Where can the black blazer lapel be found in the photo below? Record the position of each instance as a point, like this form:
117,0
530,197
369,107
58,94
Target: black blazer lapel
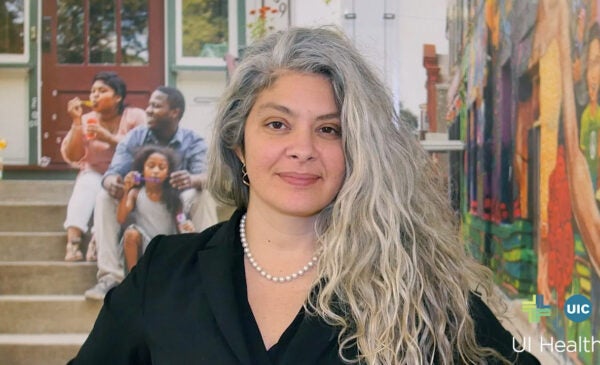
216,271
315,342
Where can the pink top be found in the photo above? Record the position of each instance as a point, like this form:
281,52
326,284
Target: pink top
98,154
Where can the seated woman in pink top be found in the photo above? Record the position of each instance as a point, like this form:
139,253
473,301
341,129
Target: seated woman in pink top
90,145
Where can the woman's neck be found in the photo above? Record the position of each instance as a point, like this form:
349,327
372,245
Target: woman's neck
281,232
279,247
109,117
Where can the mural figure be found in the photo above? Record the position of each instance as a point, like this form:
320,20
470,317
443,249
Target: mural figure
546,53
590,119
581,148
581,188
560,244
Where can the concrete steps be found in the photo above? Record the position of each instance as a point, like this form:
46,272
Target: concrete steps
46,277
31,217
53,349
32,246
44,317
48,314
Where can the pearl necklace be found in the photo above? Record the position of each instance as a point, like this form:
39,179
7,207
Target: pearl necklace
262,272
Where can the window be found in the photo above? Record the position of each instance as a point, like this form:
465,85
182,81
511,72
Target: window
206,31
13,31
108,39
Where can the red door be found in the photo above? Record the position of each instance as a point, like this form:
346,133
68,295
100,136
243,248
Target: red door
81,38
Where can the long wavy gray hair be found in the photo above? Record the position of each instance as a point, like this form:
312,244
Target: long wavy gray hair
393,274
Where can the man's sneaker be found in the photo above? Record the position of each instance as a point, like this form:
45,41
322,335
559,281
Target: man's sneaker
98,292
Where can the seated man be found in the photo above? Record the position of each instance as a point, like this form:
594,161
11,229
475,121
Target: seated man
164,111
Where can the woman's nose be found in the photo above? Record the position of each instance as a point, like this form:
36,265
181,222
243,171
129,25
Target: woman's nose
302,145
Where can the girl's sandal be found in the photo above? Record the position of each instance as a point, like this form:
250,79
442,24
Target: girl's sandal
90,254
73,252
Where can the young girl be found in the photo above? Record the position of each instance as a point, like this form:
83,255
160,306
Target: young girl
150,203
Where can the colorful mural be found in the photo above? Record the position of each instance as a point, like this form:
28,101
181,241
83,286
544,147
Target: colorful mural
531,123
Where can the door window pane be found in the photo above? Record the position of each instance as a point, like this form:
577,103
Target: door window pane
205,32
12,30
103,39
69,31
134,32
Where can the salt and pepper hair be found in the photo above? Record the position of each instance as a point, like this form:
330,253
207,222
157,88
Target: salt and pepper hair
392,274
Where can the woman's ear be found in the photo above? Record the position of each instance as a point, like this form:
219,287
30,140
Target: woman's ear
240,154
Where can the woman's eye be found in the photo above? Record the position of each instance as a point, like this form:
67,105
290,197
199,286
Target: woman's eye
276,124
330,130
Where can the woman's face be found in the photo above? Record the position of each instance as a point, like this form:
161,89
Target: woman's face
156,168
103,97
593,72
293,146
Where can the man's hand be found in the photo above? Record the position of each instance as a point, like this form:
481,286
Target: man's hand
181,180
114,186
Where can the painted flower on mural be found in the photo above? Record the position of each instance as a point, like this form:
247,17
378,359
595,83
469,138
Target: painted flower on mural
260,26
3,144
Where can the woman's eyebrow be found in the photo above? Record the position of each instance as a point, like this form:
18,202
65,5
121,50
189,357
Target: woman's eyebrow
328,116
288,111
278,107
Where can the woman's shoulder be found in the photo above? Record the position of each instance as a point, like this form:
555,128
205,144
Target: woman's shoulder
134,110
180,246
134,116
169,259
173,253
490,332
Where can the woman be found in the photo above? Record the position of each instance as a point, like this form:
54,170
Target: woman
341,251
90,145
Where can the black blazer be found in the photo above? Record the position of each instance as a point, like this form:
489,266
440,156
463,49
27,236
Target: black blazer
179,306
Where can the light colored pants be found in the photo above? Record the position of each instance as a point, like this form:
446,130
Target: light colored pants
200,206
81,204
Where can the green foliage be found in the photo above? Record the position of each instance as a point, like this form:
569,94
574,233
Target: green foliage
102,32
204,22
134,32
11,18
261,25
102,26
69,32
409,118
258,28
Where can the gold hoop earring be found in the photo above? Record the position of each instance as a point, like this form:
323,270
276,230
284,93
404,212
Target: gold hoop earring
245,178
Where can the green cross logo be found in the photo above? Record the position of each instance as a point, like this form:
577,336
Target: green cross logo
536,309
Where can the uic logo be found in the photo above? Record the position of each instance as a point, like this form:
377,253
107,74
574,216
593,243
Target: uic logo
578,308
535,308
